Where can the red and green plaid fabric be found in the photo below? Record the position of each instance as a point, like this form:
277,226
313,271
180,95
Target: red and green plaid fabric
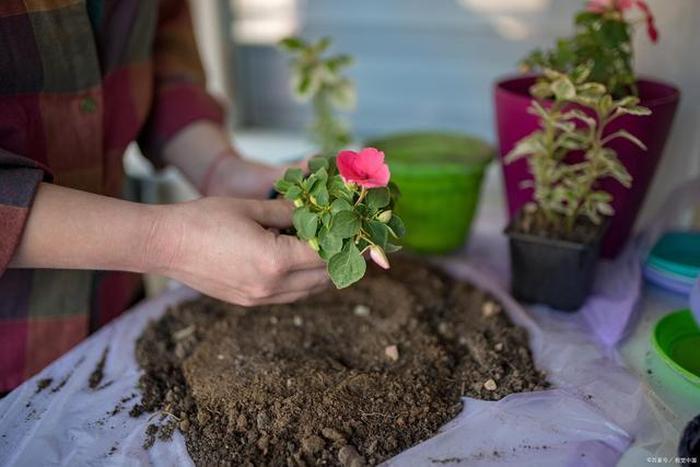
79,81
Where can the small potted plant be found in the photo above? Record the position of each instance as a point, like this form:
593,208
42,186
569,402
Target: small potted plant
603,40
555,239
317,78
343,209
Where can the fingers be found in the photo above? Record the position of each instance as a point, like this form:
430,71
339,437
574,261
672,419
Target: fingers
276,213
295,254
303,280
290,297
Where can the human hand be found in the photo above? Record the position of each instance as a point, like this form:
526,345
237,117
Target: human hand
224,248
240,178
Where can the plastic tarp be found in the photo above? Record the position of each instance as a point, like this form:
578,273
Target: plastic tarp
593,414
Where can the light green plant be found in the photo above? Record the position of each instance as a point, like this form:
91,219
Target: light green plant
574,115
319,79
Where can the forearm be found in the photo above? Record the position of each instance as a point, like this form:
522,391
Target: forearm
194,149
202,151
70,229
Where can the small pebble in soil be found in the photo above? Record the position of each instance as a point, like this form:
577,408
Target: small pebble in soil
273,320
312,444
392,353
489,309
498,347
361,310
349,457
298,322
490,385
332,434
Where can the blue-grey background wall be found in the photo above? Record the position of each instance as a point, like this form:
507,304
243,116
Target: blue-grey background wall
419,63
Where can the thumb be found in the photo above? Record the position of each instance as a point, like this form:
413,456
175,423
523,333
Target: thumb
275,213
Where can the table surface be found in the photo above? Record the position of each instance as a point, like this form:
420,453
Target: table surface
674,401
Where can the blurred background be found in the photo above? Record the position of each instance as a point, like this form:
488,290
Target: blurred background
418,65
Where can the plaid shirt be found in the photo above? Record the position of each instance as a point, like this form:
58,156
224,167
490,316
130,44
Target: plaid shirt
79,81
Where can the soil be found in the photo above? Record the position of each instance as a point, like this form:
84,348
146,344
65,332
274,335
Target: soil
98,373
348,377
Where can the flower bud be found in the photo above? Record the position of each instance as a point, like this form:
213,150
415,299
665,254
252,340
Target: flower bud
313,243
385,216
378,256
313,199
298,203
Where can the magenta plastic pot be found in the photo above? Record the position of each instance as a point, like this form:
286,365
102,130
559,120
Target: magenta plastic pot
513,122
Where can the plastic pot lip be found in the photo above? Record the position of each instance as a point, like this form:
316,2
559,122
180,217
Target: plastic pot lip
503,85
683,314
510,231
477,161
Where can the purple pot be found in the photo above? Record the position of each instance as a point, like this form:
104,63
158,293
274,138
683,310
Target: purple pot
512,98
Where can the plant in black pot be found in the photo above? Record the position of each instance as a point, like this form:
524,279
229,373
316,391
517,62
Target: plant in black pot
555,240
602,39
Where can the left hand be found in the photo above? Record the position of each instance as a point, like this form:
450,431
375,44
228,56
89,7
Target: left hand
240,178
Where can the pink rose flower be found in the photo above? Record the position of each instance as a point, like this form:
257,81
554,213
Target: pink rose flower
365,168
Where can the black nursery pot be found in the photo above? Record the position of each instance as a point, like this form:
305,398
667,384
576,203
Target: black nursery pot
558,273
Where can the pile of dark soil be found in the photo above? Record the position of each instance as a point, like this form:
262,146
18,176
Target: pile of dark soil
344,378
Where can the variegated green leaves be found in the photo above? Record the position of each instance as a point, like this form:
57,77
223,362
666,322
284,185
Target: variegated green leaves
575,119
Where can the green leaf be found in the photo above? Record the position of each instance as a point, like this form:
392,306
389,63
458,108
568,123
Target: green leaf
317,163
292,44
320,194
396,226
626,135
592,89
394,191
391,248
305,222
293,192
337,188
322,45
282,186
345,224
563,89
378,233
636,110
378,198
294,175
340,204
347,267
329,243
339,61
541,90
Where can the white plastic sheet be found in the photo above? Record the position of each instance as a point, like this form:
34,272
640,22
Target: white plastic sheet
591,417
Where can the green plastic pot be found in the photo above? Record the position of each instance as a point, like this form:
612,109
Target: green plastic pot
676,339
439,175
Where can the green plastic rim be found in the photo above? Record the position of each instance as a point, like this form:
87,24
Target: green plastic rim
437,151
676,339
439,175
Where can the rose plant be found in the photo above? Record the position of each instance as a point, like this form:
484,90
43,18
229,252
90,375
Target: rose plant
343,209
602,38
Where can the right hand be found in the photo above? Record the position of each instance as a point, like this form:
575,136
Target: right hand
224,248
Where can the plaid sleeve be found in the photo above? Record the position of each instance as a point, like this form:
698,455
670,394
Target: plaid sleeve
19,179
180,95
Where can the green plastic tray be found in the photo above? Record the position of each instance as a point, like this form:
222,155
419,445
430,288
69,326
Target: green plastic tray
439,175
676,339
